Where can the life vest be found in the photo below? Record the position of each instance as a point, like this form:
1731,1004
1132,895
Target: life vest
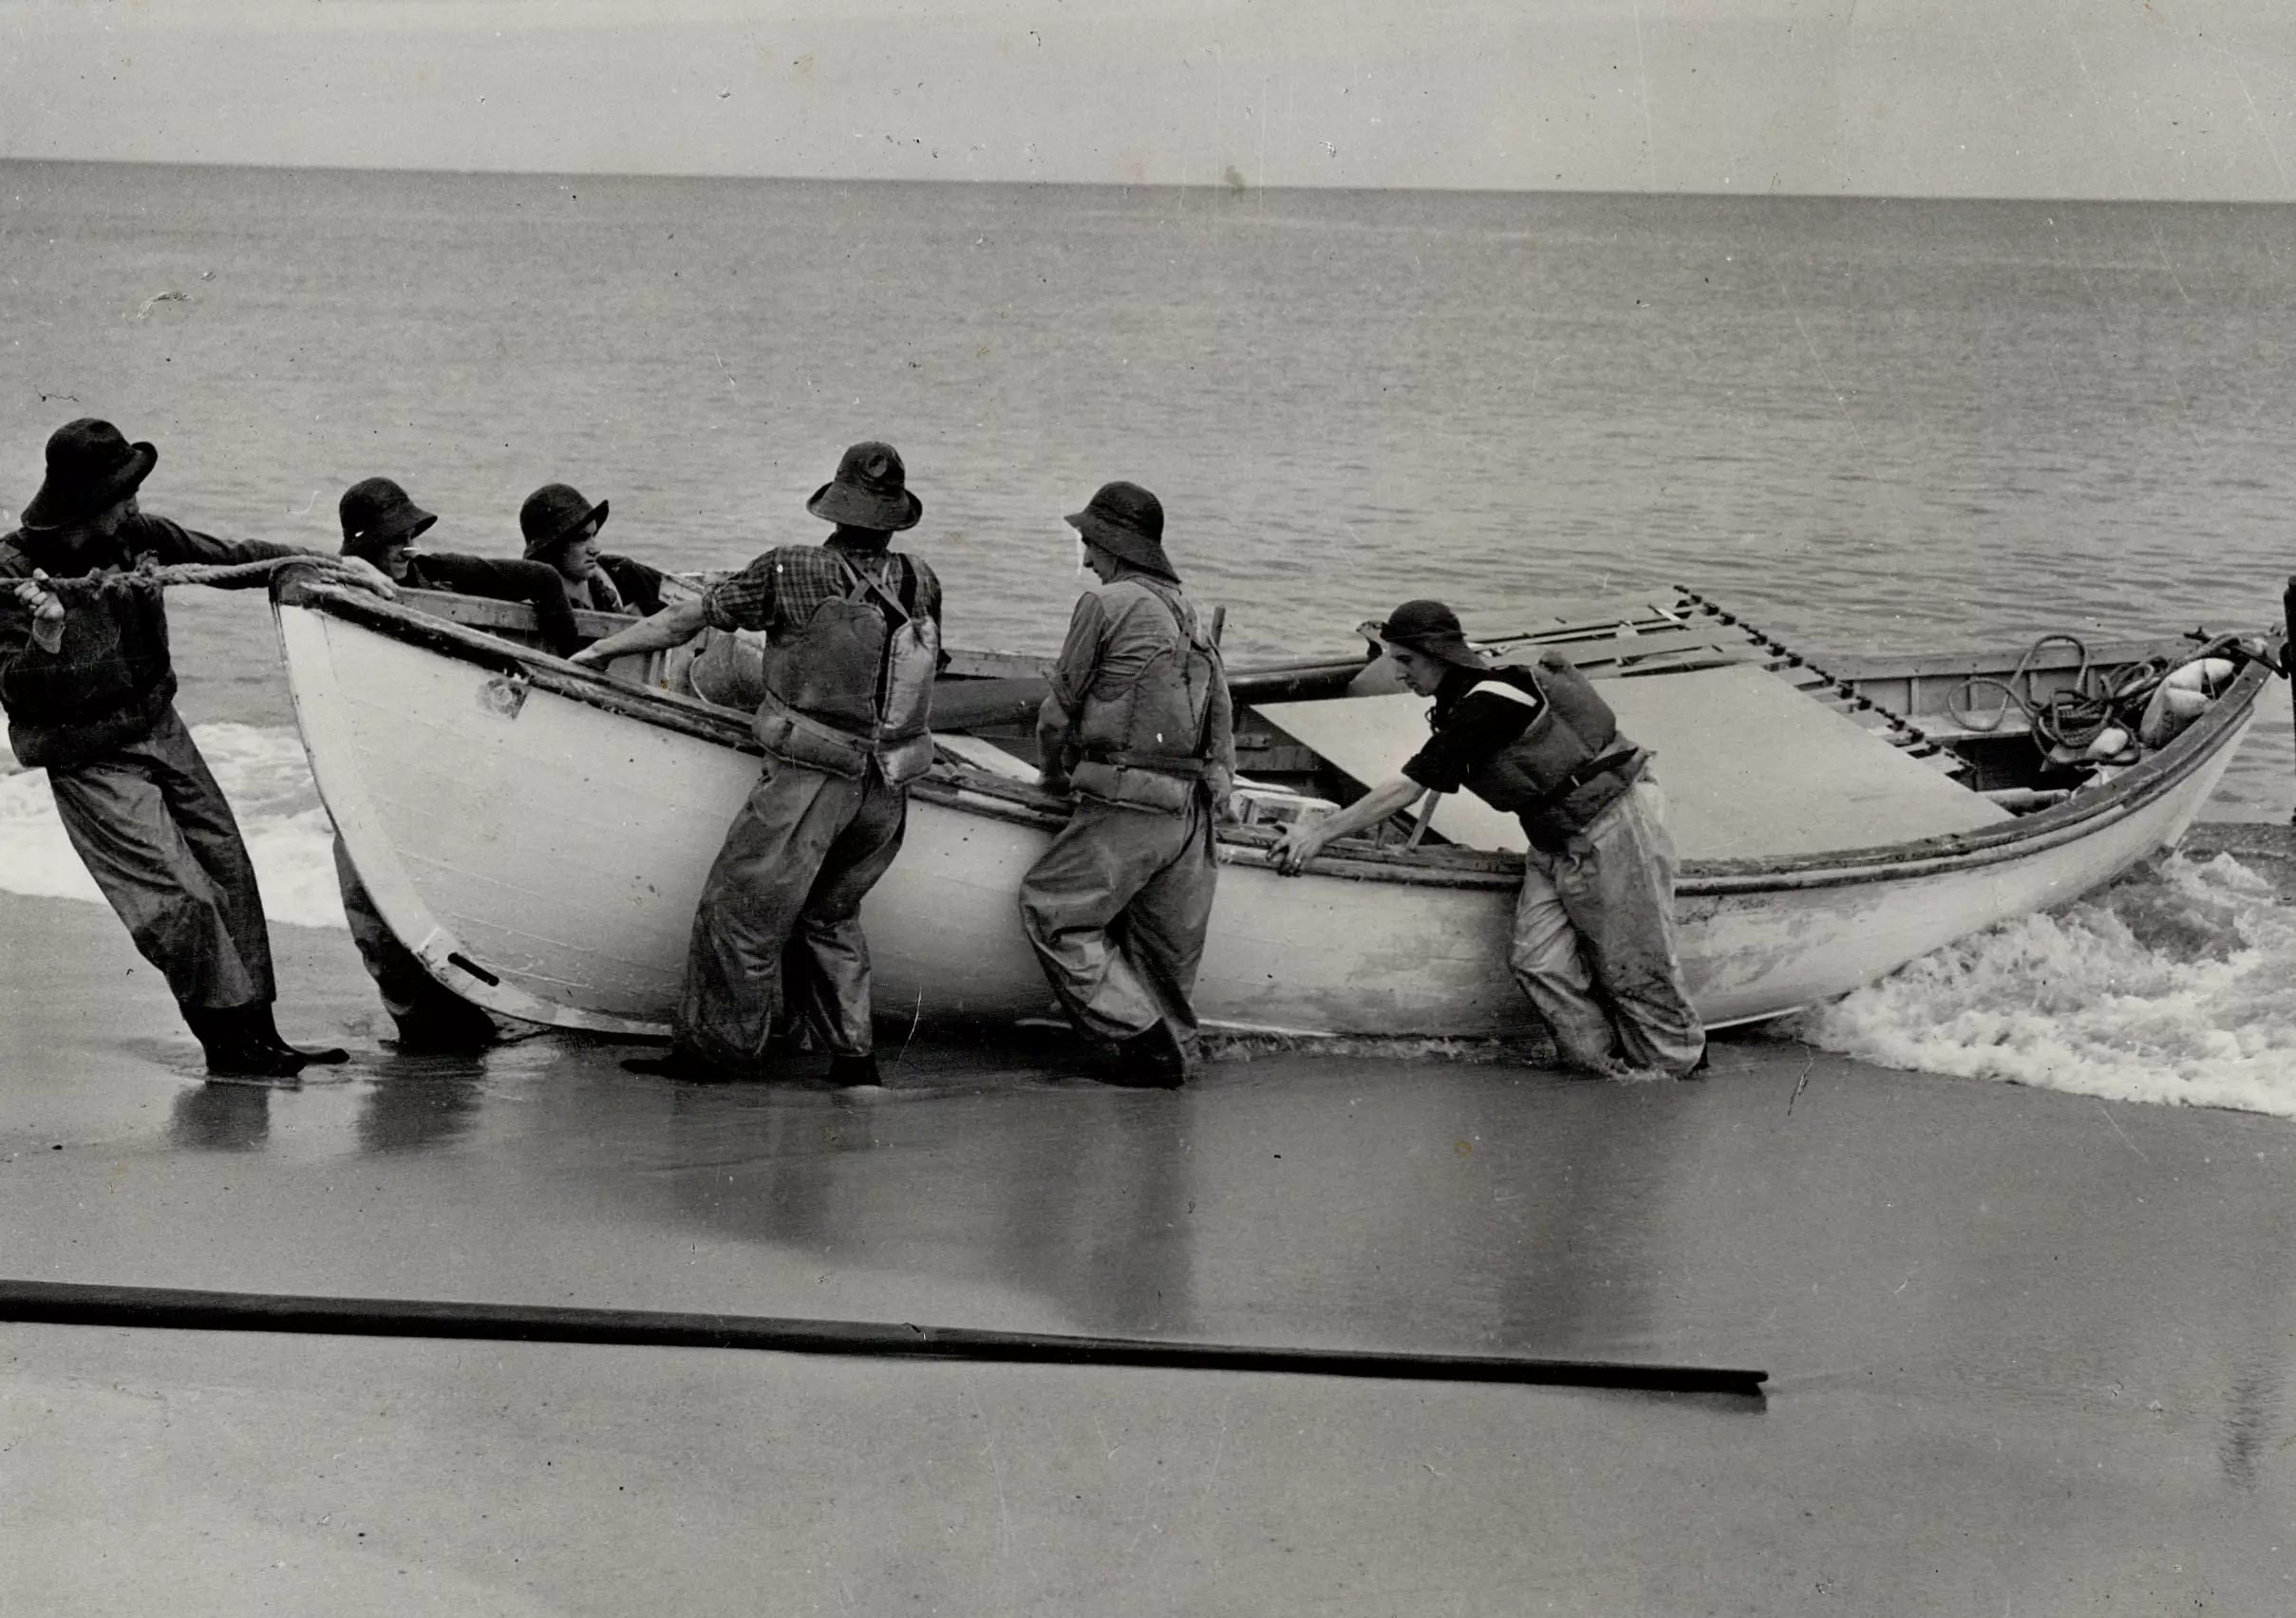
851,689
1145,745
1567,767
104,688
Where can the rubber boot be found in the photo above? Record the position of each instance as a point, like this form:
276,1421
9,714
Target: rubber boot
234,1049
1149,1060
849,1071
267,1032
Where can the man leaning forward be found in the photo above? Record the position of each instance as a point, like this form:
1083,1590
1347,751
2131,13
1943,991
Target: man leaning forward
1593,942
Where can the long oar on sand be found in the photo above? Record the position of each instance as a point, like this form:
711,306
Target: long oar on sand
63,1303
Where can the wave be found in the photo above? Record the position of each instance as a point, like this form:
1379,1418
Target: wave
2176,985
264,774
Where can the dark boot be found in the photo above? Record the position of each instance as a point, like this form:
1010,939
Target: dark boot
678,1062
848,1071
234,1047
267,1032
1150,1060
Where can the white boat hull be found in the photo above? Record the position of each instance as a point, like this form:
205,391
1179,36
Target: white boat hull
543,856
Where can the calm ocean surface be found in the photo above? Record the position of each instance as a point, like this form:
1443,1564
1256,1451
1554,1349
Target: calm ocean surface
1866,424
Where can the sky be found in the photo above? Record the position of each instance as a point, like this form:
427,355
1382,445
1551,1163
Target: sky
2184,99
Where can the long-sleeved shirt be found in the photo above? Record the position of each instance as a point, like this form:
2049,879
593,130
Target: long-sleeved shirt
1105,651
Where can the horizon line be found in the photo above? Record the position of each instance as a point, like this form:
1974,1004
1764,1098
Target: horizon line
1216,188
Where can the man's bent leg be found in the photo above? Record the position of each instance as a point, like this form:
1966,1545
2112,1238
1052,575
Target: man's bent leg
1165,924
1073,894
1621,895
1549,964
827,962
749,906
211,832
118,821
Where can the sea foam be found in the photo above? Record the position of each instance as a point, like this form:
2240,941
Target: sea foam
264,774
2176,984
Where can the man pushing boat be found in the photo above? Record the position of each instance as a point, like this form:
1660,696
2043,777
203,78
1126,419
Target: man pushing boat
1138,726
90,689
853,642
1593,943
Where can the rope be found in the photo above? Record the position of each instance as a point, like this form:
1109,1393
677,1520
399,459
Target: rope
2097,701
148,574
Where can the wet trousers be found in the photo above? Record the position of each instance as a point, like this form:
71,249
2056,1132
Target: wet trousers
1117,910
1593,943
427,1013
153,830
779,920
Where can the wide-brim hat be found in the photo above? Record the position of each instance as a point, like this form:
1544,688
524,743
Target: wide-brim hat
551,516
91,467
376,515
1126,521
871,490
1431,628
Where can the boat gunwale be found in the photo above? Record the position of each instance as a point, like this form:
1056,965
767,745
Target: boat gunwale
979,792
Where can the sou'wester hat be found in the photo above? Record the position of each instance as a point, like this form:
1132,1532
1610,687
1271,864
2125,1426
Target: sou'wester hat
871,490
1126,521
551,515
377,515
91,467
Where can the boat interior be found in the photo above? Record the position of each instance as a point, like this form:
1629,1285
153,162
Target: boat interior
1762,750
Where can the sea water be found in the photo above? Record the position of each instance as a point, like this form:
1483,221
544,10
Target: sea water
1865,426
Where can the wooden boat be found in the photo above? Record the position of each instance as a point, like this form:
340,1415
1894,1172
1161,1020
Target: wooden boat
537,833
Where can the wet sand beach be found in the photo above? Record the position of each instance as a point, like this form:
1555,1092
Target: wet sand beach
2028,1351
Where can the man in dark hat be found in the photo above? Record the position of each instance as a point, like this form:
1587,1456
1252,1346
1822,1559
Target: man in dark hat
1593,943
561,531
90,689
381,525
853,641
1138,726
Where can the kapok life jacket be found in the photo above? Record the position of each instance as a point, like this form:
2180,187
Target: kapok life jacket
105,686
1146,746
823,707
1567,767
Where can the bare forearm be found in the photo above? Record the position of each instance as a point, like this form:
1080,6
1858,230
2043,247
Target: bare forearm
1370,809
671,626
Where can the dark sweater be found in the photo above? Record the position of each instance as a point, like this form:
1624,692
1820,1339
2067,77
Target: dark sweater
112,678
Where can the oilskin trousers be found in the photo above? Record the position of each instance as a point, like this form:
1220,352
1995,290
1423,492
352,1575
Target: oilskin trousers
1593,943
154,830
1117,910
428,1014
781,916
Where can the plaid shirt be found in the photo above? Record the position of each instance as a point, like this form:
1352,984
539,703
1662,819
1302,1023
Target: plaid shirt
781,589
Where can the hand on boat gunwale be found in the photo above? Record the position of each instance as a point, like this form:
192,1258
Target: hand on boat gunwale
360,574
1299,844
1054,782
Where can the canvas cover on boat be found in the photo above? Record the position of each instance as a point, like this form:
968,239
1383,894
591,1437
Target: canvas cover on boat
1750,766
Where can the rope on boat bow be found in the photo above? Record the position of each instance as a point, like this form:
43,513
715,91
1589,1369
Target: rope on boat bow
2098,700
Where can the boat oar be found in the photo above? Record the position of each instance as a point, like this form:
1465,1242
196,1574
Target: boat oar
66,1303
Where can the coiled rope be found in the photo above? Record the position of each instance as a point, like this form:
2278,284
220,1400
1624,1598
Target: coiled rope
2098,700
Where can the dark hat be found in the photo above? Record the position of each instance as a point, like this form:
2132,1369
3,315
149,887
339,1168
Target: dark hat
91,467
550,516
377,515
1432,627
871,490
1126,521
